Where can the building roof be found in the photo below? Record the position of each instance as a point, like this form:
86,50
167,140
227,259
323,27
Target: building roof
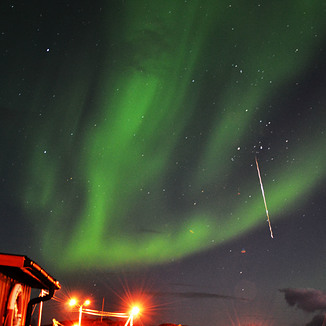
26,271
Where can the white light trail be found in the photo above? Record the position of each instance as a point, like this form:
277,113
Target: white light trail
263,193
105,313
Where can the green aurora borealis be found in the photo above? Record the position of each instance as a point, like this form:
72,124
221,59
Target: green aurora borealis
144,151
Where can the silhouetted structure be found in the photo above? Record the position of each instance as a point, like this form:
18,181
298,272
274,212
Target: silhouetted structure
87,321
18,274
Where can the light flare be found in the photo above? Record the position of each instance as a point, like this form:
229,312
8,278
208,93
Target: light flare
135,311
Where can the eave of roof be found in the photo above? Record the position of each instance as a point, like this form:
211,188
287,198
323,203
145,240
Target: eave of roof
27,271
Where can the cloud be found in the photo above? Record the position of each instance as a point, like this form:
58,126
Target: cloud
309,300
318,320
199,295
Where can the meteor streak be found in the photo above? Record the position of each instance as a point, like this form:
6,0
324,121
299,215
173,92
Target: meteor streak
263,193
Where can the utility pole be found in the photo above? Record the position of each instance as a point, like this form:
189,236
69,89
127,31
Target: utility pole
42,294
102,309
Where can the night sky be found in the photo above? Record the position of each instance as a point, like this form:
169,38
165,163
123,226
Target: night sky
129,132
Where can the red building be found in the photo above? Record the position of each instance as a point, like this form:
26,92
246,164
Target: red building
18,275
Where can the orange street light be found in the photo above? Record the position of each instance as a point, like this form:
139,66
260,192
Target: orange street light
73,302
135,311
86,303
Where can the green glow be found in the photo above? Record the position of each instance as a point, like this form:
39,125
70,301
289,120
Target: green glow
103,189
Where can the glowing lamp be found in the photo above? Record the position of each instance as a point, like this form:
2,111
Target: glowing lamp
135,311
